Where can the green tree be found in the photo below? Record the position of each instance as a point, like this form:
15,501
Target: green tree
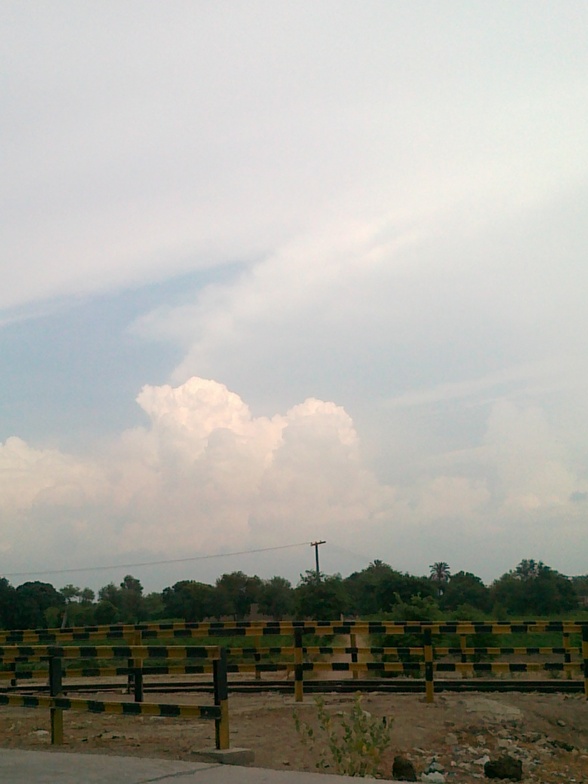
70,593
33,599
131,600
106,612
190,600
320,597
276,598
465,588
533,588
235,593
378,588
110,593
440,573
153,607
7,604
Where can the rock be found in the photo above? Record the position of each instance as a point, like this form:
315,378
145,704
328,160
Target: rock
434,767
403,769
40,733
433,778
482,760
560,744
505,767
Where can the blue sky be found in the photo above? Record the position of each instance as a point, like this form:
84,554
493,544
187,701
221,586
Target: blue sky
280,272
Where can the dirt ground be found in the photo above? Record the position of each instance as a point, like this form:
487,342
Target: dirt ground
549,733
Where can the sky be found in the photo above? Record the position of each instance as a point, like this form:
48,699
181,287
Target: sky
275,273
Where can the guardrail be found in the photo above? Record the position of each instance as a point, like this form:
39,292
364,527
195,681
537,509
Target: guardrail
135,654
295,658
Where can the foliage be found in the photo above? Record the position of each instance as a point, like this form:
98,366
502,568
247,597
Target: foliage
464,588
33,599
7,604
379,587
234,595
440,573
531,589
276,598
419,608
189,600
353,746
320,596
534,589
106,612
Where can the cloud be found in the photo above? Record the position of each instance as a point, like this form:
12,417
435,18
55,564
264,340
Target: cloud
206,476
190,139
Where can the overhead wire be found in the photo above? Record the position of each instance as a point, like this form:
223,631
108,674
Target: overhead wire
150,563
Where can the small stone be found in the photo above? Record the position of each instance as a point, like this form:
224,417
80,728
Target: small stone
433,778
482,760
434,767
40,733
504,767
561,723
403,769
560,744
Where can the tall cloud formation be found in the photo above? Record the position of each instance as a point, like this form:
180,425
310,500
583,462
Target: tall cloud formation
206,476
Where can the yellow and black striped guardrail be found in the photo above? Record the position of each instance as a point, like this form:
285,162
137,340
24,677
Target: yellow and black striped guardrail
272,628
58,703
119,708
21,643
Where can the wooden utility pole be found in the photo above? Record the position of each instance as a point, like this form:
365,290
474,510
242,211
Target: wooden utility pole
316,555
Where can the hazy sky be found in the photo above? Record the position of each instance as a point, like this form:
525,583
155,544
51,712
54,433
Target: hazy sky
277,272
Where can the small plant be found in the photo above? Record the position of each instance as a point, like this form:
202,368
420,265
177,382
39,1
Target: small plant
353,745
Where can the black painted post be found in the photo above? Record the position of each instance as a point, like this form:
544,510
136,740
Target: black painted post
428,644
585,656
56,690
298,670
354,657
221,699
463,644
567,654
138,670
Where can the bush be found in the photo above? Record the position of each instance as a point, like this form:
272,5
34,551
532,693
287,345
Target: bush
353,746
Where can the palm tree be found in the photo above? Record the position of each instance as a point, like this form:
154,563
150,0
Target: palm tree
440,573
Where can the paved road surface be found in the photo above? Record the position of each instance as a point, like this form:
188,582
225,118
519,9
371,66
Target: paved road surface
48,767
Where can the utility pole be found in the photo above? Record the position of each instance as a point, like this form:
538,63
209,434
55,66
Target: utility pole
316,555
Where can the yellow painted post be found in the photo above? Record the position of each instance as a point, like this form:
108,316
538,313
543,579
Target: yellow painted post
55,690
354,658
298,671
428,645
221,698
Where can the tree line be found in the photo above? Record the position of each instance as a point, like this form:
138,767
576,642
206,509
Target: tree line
531,589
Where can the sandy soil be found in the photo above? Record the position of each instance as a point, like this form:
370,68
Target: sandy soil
548,732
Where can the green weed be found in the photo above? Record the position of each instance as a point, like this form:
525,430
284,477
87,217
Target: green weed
352,744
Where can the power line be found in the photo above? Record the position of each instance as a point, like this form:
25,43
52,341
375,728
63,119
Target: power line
151,563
